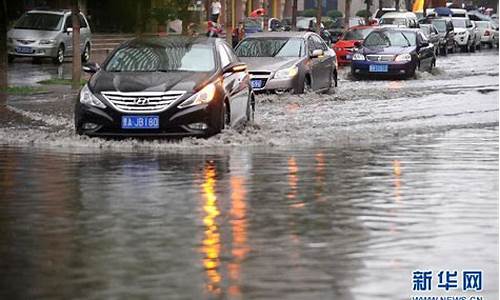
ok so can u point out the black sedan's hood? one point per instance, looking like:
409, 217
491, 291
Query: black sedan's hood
387, 50
148, 81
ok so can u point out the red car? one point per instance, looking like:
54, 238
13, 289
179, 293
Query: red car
345, 45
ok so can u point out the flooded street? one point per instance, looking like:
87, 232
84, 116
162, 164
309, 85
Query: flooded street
336, 196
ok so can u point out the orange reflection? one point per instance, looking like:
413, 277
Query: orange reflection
240, 247
396, 165
293, 179
211, 241
319, 177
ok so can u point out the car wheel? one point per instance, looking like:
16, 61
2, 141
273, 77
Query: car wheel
333, 82
444, 51
472, 48
490, 45
10, 58
86, 53
59, 59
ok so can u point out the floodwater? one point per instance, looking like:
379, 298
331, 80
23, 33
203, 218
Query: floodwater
337, 196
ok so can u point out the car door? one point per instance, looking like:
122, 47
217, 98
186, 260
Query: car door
236, 84
67, 37
425, 51
84, 32
321, 66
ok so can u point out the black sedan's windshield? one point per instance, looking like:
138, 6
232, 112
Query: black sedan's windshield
156, 58
357, 34
39, 21
391, 39
271, 47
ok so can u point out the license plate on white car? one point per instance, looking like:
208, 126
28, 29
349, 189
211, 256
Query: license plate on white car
24, 50
140, 122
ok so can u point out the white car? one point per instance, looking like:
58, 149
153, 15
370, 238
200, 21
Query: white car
465, 34
489, 36
399, 19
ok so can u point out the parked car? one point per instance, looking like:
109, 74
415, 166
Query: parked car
465, 34
288, 61
47, 34
344, 47
489, 36
399, 19
171, 86
380, 12
433, 36
445, 29
393, 51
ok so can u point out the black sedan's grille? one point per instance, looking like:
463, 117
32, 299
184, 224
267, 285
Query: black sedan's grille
382, 57
142, 102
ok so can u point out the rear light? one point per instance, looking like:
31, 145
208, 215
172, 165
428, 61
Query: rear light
486, 33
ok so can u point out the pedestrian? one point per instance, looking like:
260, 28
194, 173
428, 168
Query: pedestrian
238, 34
192, 30
216, 8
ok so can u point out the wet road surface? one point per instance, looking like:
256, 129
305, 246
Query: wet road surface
325, 197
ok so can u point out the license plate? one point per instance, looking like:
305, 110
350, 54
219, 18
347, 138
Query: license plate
256, 83
140, 122
378, 68
24, 50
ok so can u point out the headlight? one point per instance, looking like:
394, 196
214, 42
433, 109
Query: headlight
86, 97
358, 56
205, 95
403, 57
47, 42
286, 73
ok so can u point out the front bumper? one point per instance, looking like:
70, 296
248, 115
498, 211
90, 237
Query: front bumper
273, 84
362, 68
172, 122
462, 40
36, 50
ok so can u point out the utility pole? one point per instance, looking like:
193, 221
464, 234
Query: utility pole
294, 15
3, 45
77, 62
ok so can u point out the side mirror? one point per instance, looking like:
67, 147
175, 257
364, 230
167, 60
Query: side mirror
424, 44
69, 30
357, 44
234, 68
91, 67
316, 53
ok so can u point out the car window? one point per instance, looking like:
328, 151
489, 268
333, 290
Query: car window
40, 21
225, 60
271, 47
83, 24
311, 46
143, 57
357, 34
230, 53
318, 42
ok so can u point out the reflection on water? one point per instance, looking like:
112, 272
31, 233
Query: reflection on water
321, 223
211, 242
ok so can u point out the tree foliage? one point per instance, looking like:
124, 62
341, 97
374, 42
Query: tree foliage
363, 13
334, 14
310, 12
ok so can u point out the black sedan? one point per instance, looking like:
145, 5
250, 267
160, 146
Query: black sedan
173, 86
393, 51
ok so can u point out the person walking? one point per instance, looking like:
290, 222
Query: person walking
216, 8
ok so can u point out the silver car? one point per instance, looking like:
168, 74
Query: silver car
288, 61
47, 33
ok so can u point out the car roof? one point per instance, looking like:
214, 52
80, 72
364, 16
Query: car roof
172, 40
282, 34
50, 11
398, 14
362, 27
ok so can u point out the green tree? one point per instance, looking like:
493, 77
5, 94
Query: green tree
334, 14
363, 13
310, 12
